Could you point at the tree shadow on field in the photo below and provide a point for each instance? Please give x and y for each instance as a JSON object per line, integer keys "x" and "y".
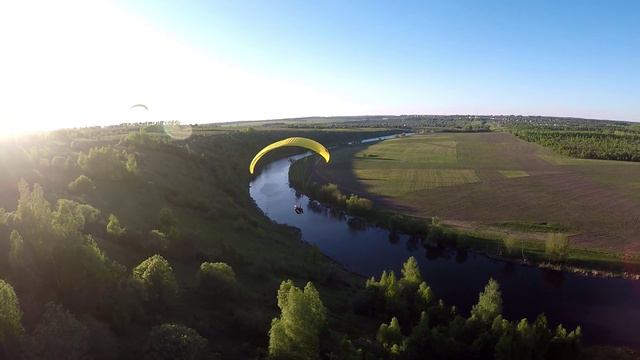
{"x": 340, "y": 171}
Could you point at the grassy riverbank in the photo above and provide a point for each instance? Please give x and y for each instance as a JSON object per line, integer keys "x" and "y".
{"x": 489, "y": 192}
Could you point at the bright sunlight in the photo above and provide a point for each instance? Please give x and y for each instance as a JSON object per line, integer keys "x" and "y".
{"x": 72, "y": 67}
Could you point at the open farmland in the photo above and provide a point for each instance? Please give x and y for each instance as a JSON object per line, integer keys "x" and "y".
{"x": 491, "y": 180}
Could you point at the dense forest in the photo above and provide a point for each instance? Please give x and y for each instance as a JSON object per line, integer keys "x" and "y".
{"x": 122, "y": 243}
{"x": 575, "y": 137}
{"x": 613, "y": 143}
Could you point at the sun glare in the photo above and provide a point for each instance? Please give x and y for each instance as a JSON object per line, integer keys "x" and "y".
{"x": 79, "y": 63}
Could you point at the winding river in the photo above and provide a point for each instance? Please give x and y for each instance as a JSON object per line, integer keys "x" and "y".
{"x": 607, "y": 309}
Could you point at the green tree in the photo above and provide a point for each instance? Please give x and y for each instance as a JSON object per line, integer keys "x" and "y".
{"x": 16, "y": 250}
{"x": 540, "y": 337}
{"x": 10, "y": 314}
{"x": 66, "y": 262}
{"x": 113, "y": 226}
{"x": 295, "y": 334}
{"x": 175, "y": 342}
{"x": 565, "y": 345}
{"x": 103, "y": 162}
{"x": 217, "y": 279}
{"x": 132, "y": 164}
{"x": 389, "y": 335}
{"x": 425, "y": 297}
{"x": 82, "y": 185}
{"x": 489, "y": 303}
{"x": 33, "y": 214}
{"x": 411, "y": 272}
{"x": 156, "y": 276}
{"x": 506, "y": 347}
{"x": 59, "y": 336}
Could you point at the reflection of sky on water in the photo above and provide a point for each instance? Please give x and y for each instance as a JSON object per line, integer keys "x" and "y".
{"x": 607, "y": 309}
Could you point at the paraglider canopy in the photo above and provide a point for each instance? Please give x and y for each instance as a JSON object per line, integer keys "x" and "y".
{"x": 143, "y": 106}
{"x": 292, "y": 141}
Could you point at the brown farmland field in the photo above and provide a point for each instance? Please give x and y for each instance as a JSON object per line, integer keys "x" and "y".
{"x": 484, "y": 180}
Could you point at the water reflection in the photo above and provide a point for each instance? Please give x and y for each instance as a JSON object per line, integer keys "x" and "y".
{"x": 608, "y": 309}
{"x": 552, "y": 278}
{"x": 413, "y": 242}
{"x": 394, "y": 237}
{"x": 356, "y": 223}
{"x": 434, "y": 252}
{"x": 314, "y": 206}
{"x": 508, "y": 269}
{"x": 461, "y": 255}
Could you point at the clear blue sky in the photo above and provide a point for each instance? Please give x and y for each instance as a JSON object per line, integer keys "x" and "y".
{"x": 201, "y": 61}
{"x": 527, "y": 57}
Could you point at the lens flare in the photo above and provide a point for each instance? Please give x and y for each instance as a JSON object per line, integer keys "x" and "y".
{"x": 177, "y": 131}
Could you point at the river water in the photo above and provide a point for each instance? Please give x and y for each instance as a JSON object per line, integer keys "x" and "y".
{"x": 607, "y": 309}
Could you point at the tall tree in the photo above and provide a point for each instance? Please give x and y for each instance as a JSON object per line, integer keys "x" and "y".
{"x": 489, "y": 303}
{"x": 411, "y": 272}
{"x": 16, "y": 250}
{"x": 295, "y": 334}
{"x": 389, "y": 335}
{"x": 10, "y": 314}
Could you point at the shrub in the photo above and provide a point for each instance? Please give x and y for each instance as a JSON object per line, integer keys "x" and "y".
{"x": 511, "y": 245}
{"x": 358, "y": 205}
{"x": 331, "y": 194}
{"x": 557, "y": 247}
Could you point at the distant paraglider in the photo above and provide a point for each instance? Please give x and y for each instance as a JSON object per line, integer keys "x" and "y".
{"x": 139, "y": 106}
{"x": 293, "y": 141}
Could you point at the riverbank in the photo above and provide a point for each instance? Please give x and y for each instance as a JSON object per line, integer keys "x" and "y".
{"x": 434, "y": 234}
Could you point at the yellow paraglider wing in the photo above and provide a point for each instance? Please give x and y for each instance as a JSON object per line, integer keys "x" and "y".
{"x": 293, "y": 141}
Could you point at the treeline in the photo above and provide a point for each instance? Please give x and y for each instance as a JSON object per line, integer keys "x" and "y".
{"x": 300, "y": 179}
{"x": 414, "y": 324}
{"x": 454, "y": 123}
{"x": 612, "y": 144}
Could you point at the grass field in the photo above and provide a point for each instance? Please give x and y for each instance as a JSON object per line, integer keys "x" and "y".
{"x": 513, "y": 173}
{"x": 486, "y": 180}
